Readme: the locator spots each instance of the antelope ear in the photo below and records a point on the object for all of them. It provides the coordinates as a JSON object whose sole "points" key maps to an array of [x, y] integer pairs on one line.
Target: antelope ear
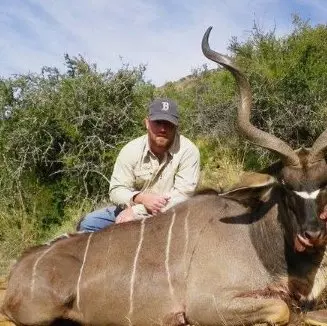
{"points": [[251, 189]]}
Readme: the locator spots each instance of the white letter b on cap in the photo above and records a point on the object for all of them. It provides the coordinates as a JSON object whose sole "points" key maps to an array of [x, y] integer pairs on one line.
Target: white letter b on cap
{"points": [[165, 106]]}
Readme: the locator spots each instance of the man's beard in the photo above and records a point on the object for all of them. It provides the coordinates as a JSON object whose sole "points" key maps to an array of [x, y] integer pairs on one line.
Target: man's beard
{"points": [[163, 142]]}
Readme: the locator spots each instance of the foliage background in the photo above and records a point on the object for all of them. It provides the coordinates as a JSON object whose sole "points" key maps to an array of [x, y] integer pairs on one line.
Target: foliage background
{"points": [[61, 132]]}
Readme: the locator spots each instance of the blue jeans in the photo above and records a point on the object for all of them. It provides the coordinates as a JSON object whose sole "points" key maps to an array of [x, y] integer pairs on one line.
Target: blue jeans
{"points": [[99, 219]]}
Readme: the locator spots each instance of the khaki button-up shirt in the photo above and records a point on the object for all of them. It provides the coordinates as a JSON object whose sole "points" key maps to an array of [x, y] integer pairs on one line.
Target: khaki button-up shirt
{"points": [[137, 170]]}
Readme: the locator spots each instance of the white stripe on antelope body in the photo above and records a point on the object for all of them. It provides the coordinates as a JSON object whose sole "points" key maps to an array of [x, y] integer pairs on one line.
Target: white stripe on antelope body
{"points": [[132, 285], [34, 269], [81, 271], [169, 236]]}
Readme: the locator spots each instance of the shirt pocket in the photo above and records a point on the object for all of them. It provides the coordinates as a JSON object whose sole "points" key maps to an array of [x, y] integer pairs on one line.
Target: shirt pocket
{"points": [[141, 177]]}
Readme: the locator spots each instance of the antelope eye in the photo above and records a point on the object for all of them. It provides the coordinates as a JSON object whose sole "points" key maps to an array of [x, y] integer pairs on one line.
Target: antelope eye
{"points": [[288, 188]]}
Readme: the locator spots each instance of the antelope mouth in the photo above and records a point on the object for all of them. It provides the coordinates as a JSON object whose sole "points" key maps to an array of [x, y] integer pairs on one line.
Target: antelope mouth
{"points": [[323, 214], [301, 243]]}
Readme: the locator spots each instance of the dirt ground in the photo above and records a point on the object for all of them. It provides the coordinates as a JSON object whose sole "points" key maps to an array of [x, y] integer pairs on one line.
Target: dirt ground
{"points": [[3, 321]]}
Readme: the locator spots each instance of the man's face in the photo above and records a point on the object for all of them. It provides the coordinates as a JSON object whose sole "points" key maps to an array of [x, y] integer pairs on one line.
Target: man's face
{"points": [[161, 133]]}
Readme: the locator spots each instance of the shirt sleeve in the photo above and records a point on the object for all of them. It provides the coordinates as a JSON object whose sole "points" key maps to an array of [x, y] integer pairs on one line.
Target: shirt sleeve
{"points": [[186, 177], [122, 179]]}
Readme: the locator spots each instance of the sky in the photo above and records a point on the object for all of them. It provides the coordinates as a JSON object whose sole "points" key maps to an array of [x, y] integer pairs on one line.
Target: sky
{"points": [[165, 35]]}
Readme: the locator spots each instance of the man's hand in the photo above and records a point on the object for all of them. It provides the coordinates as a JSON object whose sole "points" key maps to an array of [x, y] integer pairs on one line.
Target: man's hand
{"points": [[126, 215], [152, 202]]}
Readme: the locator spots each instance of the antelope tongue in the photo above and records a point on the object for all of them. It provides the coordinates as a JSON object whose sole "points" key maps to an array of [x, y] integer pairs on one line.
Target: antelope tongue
{"points": [[298, 245]]}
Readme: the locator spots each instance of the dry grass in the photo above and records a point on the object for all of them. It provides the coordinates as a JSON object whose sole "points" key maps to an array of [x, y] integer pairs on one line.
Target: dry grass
{"points": [[19, 230], [221, 177], [222, 165]]}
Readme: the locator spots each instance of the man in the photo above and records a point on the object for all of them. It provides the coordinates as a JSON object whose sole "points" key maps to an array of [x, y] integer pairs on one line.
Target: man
{"points": [[152, 173]]}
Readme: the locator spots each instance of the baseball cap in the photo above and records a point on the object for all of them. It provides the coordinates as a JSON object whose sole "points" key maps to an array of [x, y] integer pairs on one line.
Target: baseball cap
{"points": [[164, 109]]}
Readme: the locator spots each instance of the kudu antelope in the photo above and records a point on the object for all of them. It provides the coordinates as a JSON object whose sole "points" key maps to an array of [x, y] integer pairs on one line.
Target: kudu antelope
{"points": [[237, 258]]}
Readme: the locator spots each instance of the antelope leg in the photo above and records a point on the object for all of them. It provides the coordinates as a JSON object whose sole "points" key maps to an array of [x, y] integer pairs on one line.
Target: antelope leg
{"points": [[238, 311], [317, 317]]}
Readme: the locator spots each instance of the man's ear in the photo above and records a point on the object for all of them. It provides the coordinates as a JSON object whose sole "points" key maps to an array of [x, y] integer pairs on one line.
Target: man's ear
{"points": [[252, 189], [146, 123]]}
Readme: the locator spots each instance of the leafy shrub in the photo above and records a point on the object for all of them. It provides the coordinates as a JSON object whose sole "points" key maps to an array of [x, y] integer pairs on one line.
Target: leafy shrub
{"points": [[61, 140]]}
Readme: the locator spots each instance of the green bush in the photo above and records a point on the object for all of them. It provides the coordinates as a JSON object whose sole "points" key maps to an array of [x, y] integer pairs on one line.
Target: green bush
{"points": [[288, 77], [60, 143]]}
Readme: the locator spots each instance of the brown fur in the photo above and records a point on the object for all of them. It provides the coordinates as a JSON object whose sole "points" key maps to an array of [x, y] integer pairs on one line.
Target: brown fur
{"points": [[200, 265]]}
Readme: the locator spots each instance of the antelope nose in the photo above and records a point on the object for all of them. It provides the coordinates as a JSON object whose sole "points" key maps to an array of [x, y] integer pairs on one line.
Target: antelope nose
{"points": [[313, 235]]}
